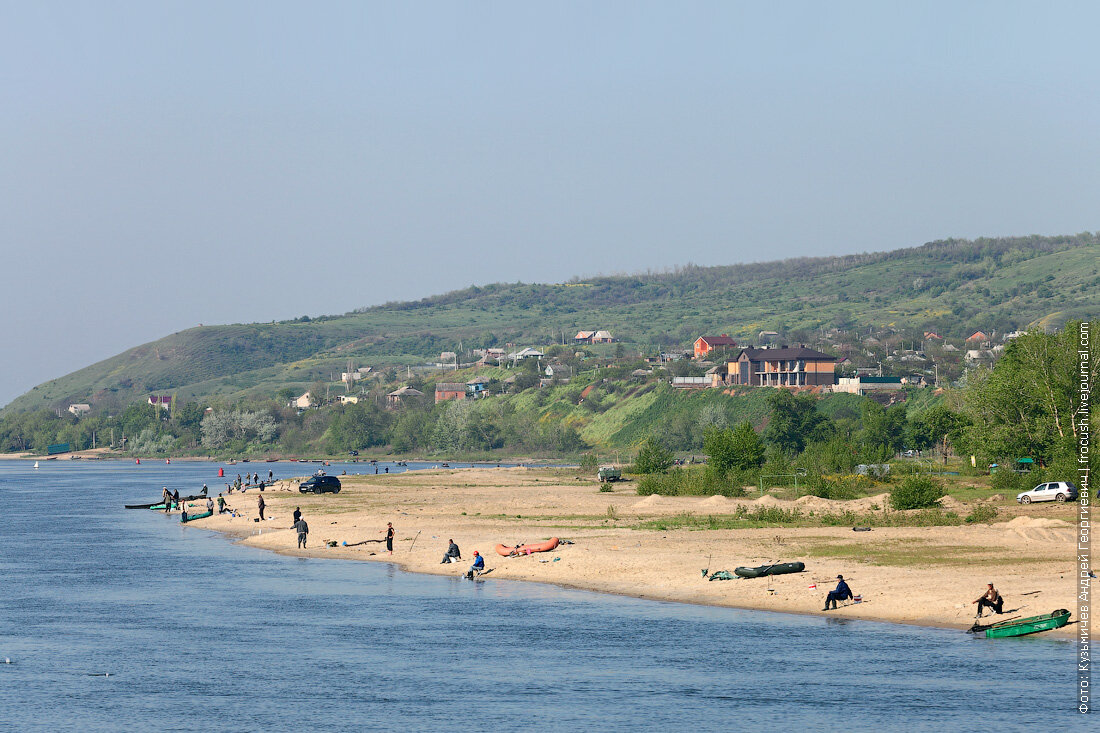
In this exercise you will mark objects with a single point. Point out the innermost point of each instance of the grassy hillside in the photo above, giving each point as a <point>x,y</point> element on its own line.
<point>953,287</point>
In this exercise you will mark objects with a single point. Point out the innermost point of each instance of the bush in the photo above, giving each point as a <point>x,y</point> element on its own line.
<point>690,482</point>
<point>589,463</point>
<point>652,458</point>
<point>982,514</point>
<point>1007,481</point>
<point>917,492</point>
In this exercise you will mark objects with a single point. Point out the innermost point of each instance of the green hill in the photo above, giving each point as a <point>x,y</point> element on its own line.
<point>952,287</point>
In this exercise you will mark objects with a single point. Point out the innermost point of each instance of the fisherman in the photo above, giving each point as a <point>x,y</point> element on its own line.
<point>166,498</point>
<point>389,537</point>
<point>204,489</point>
<point>303,529</point>
<point>270,476</point>
<point>221,504</point>
<point>453,554</point>
<point>209,505</point>
<point>260,504</point>
<point>176,497</point>
<point>842,593</point>
<point>297,515</point>
<point>992,599</point>
<point>478,567</point>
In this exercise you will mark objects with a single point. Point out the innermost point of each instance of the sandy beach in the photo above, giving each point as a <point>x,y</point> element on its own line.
<point>638,546</point>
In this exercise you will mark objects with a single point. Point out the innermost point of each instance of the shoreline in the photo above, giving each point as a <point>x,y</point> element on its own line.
<point>1022,557</point>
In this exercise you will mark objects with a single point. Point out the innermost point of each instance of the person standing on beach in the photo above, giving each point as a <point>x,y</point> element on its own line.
<point>389,537</point>
<point>176,498</point>
<point>297,514</point>
<point>270,476</point>
<point>260,505</point>
<point>166,498</point>
<point>221,504</point>
<point>210,505</point>
<point>303,529</point>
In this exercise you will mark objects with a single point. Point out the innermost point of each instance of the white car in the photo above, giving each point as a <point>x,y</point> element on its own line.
<point>1052,491</point>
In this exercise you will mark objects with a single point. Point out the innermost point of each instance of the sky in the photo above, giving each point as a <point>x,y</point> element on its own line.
<point>174,163</point>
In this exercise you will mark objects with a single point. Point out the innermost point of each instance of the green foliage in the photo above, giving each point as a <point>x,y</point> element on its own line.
<point>794,420</point>
<point>652,458</point>
<point>737,449</point>
<point>1025,405</point>
<point>590,464</point>
<point>695,481</point>
<point>982,514</point>
<point>917,492</point>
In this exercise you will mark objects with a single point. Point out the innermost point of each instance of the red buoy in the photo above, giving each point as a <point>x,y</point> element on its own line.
<point>221,473</point>
<point>137,461</point>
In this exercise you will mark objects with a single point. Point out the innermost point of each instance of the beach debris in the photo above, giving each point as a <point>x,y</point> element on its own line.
<point>861,529</point>
<point>719,575</point>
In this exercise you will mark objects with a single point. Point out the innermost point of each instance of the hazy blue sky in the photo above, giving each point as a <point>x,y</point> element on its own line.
<point>164,164</point>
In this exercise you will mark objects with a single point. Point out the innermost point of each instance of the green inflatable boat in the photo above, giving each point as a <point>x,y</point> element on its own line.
<point>779,568</point>
<point>193,517</point>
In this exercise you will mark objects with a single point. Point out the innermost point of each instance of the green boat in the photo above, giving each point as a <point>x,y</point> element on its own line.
<point>193,517</point>
<point>160,507</point>
<point>779,568</point>
<point>1023,626</point>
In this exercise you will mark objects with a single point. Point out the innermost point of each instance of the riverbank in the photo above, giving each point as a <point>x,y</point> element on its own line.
<point>653,547</point>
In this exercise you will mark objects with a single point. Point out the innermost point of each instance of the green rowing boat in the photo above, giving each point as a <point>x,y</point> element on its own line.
<point>193,517</point>
<point>779,568</point>
<point>1024,626</point>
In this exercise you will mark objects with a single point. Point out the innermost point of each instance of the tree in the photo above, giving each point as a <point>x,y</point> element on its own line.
<point>733,449</point>
<point>652,457</point>
<point>883,426</point>
<point>794,421</point>
<point>318,392</point>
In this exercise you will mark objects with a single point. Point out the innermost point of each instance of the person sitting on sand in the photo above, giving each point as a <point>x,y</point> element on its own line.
<point>478,567</point>
<point>992,599</point>
<point>842,593</point>
<point>453,554</point>
<point>303,529</point>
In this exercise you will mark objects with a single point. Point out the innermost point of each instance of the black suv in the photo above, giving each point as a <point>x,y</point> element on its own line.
<point>319,485</point>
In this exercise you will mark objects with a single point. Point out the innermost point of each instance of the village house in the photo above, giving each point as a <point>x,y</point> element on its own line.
<point>491,356</point>
<point>348,399</point>
<point>782,367</point>
<point>477,387</point>
<point>445,391</point>
<point>706,344</point>
<point>396,397</point>
<point>527,353</point>
<point>160,401</point>
<point>593,337</point>
<point>80,408</point>
<point>863,385</point>
<point>304,402</point>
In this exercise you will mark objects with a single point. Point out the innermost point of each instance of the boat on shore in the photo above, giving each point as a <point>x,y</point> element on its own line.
<point>779,568</point>
<point>193,517</point>
<point>160,504</point>
<point>1023,626</point>
<point>527,549</point>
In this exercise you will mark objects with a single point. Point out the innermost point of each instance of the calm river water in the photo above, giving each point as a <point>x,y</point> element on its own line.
<point>198,633</point>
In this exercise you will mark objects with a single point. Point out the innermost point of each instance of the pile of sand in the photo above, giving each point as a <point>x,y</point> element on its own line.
<point>1036,523</point>
<point>952,504</point>
<point>718,502</point>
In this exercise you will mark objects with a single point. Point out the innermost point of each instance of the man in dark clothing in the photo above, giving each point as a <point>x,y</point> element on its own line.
<point>167,495</point>
<point>389,537</point>
<point>992,599</point>
<point>176,498</point>
<point>842,593</point>
<point>297,515</point>
<point>477,568</point>
<point>303,529</point>
<point>221,504</point>
<point>260,504</point>
<point>453,554</point>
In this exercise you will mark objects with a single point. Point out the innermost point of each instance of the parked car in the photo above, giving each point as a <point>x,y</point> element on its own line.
<point>320,485</point>
<point>1050,491</point>
<point>609,474</point>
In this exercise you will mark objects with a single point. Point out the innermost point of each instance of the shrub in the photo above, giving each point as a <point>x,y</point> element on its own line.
<point>982,514</point>
<point>917,492</point>
<point>652,458</point>
<point>589,463</point>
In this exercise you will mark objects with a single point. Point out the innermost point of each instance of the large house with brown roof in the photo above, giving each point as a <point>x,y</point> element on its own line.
<point>787,366</point>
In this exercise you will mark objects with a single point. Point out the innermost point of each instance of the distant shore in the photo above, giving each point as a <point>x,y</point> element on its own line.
<point>630,545</point>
